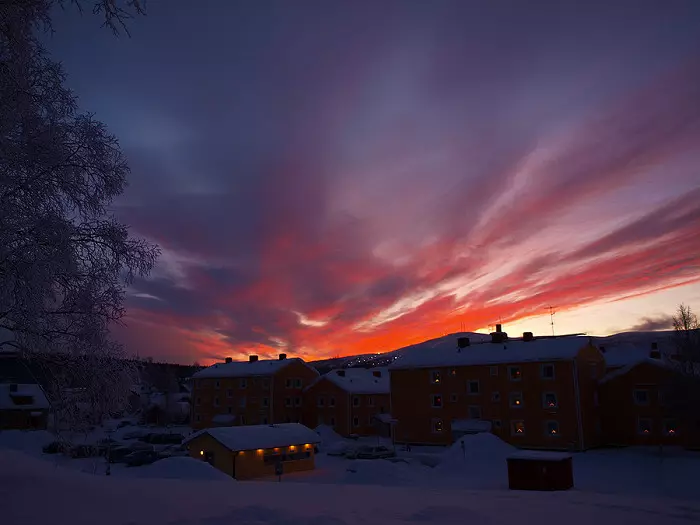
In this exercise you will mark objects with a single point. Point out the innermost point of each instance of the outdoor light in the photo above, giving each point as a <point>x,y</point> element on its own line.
<point>201,452</point>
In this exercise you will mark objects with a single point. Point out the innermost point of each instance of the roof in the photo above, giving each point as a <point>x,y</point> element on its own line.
<point>264,367</point>
<point>444,352</point>
<point>7,398</point>
<point>662,363</point>
<point>358,380</point>
<point>539,455</point>
<point>471,425</point>
<point>252,437</point>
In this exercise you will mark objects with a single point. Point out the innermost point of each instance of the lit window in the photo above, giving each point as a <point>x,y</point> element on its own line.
<point>436,401</point>
<point>437,426</point>
<point>517,428</point>
<point>493,370</point>
<point>243,383</point>
<point>516,399</point>
<point>670,427</point>
<point>331,401</point>
<point>453,398</point>
<point>355,421</point>
<point>514,373</point>
<point>495,397</point>
<point>473,387</point>
<point>552,428</point>
<point>356,401</point>
<point>641,397</point>
<point>453,372</point>
<point>547,372</point>
<point>435,377</point>
<point>644,426</point>
<point>549,400</point>
<point>475,412</point>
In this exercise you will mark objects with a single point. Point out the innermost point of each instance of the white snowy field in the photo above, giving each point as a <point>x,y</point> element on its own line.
<point>34,492</point>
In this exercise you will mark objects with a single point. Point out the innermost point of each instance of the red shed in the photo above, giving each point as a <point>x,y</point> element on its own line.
<point>540,470</point>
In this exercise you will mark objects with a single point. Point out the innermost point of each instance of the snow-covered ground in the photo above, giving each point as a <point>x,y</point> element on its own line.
<point>34,493</point>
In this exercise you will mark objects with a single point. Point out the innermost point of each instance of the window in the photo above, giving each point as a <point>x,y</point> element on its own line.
<point>331,401</point>
<point>514,373</point>
<point>297,401</point>
<point>547,371</point>
<point>265,401</point>
<point>320,401</point>
<point>453,398</point>
<point>266,383</point>
<point>356,401</point>
<point>287,401</point>
<point>453,372</point>
<point>641,397</point>
<point>551,428</point>
<point>516,399</point>
<point>197,418</point>
<point>436,425</point>
<point>493,371</point>
<point>475,412</point>
<point>263,420</point>
<point>517,428</point>
<point>319,420</point>
<point>288,383</point>
<point>549,400</point>
<point>229,409</point>
<point>242,420</point>
<point>216,401</point>
<point>496,423</point>
<point>370,401</point>
<point>229,393</point>
<point>217,384</point>
<point>199,401</point>
<point>473,387</point>
<point>436,401</point>
<point>644,426</point>
<point>355,421</point>
<point>243,383</point>
<point>370,420</point>
<point>241,402</point>
<point>332,421</point>
<point>435,377</point>
<point>297,383</point>
<point>495,397</point>
<point>670,427</point>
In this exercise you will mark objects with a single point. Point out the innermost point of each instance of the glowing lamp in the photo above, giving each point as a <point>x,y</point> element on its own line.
<point>292,447</point>
<point>201,452</point>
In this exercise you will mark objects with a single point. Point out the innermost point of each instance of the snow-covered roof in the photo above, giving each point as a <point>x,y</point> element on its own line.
<point>662,363</point>
<point>358,380</point>
<point>8,398</point>
<point>539,455</point>
<point>385,418</point>
<point>253,437</point>
<point>471,425</point>
<point>444,352</point>
<point>263,367</point>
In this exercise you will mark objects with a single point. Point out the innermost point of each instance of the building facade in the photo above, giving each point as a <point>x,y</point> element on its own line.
<point>254,392</point>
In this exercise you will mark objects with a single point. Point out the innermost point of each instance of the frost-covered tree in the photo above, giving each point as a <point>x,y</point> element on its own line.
<point>64,260</point>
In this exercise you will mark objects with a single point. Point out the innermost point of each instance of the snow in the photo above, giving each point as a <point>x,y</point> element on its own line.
<point>181,468</point>
<point>327,435</point>
<point>83,499</point>
<point>265,367</point>
<point>622,371</point>
<point>444,352</point>
<point>7,398</point>
<point>252,437</point>
<point>397,473</point>
<point>358,380</point>
<point>540,455</point>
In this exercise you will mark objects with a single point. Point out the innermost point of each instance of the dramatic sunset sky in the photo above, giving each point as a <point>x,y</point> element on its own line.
<point>329,177</point>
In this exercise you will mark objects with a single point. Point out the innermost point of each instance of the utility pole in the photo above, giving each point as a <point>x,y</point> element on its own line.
<point>552,311</point>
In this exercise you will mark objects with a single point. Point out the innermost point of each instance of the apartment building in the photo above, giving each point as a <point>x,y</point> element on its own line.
<point>253,392</point>
<point>349,400</point>
<point>535,392</point>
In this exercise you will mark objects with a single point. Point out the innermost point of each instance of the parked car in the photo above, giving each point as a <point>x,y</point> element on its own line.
<point>139,445</point>
<point>367,452</point>
<point>84,451</point>
<point>54,447</point>
<point>118,453</point>
<point>141,457</point>
<point>341,448</point>
<point>170,451</point>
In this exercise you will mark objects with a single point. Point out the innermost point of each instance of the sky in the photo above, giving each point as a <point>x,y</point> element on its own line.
<point>333,178</point>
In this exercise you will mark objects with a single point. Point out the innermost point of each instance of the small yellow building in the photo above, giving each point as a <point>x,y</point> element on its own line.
<point>255,451</point>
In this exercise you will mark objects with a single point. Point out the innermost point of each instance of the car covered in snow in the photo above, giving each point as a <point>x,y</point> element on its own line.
<point>340,448</point>
<point>141,457</point>
<point>369,452</point>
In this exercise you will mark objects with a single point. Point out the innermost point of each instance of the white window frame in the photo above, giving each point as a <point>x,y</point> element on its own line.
<point>288,402</point>
<point>432,401</point>
<point>297,401</point>
<point>493,371</point>
<point>543,366</point>
<point>639,426</point>
<point>547,433</point>
<point>510,373</point>
<point>331,401</point>
<point>473,407</point>
<point>496,396</point>
<point>666,425</point>
<point>297,382</point>
<point>478,387</point>
<point>435,377</point>
<point>242,402</point>
<point>355,422</point>
<point>217,402</point>
<point>356,401</point>
<point>288,383</point>
<point>636,401</point>
<point>513,425</point>
<point>434,424</point>
<point>511,399</point>
<point>321,401</point>
<point>544,400</point>
<point>229,393</point>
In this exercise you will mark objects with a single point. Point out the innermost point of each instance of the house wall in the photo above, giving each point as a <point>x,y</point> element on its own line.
<point>23,420</point>
<point>249,464</point>
<point>590,367</point>
<point>412,391</point>
<point>255,400</point>
<point>620,413</point>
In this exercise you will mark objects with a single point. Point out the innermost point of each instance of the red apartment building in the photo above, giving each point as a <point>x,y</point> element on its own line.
<point>253,392</point>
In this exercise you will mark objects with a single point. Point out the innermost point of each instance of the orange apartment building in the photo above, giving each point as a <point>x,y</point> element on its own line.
<point>534,392</point>
<point>349,400</point>
<point>253,392</point>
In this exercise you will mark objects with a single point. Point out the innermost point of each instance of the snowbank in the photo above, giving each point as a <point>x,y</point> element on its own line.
<point>30,441</point>
<point>181,468</point>
<point>382,472</point>
<point>328,435</point>
<point>481,463</point>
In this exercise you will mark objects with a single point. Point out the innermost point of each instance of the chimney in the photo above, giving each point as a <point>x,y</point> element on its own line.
<point>528,336</point>
<point>252,358</point>
<point>499,337</point>
<point>229,360</point>
<point>377,373</point>
<point>463,342</point>
<point>282,357</point>
<point>341,373</point>
<point>498,327</point>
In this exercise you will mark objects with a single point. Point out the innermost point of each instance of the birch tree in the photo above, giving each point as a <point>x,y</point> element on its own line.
<point>64,260</point>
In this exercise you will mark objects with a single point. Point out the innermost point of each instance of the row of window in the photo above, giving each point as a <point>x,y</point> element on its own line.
<point>242,402</point>
<point>516,400</point>
<point>642,396</point>
<point>645,426</point>
<point>514,373</point>
<point>355,421</point>
<point>356,401</point>
<point>517,427</point>
<point>244,382</point>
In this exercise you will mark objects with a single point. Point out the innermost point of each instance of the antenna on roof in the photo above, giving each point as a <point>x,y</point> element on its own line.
<point>552,311</point>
